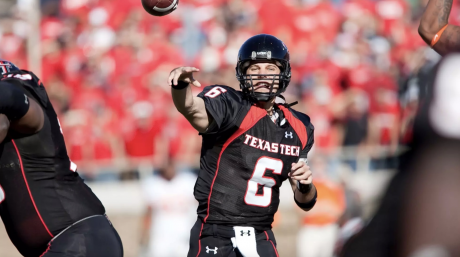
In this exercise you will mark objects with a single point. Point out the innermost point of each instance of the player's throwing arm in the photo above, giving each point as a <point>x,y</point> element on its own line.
<point>191,107</point>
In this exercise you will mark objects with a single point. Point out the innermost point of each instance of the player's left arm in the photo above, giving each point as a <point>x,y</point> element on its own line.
<point>302,184</point>
<point>301,177</point>
<point>24,114</point>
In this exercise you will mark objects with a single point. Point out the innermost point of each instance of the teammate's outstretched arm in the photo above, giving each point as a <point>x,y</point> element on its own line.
<point>434,28</point>
<point>301,174</point>
<point>190,106</point>
<point>24,114</point>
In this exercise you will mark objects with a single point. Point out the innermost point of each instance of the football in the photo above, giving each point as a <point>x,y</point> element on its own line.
<point>160,7</point>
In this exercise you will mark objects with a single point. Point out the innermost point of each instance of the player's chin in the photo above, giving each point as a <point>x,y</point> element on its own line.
<point>266,90</point>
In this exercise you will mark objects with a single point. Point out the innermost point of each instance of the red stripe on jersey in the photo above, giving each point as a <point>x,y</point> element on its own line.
<point>251,118</point>
<point>297,125</point>
<point>47,249</point>
<point>274,248</point>
<point>28,188</point>
<point>199,240</point>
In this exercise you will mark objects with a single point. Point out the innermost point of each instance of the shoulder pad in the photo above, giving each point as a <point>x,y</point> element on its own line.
<point>301,124</point>
<point>29,81</point>
<point>224,91</point>
<point>305,119</point>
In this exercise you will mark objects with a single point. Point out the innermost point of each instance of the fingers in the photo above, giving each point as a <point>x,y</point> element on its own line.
<point>183,73</point>
<point>301,172</point>
<point>302,177</point>
<point>309,180</point>
<point>177,74</point>
<point>190,69</point>
<point>296,166</point>
<point>196,83</point>
<point>170,77</point>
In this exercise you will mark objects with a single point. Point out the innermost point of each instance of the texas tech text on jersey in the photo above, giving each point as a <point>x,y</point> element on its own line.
<point>258,143</point>
<point>245,158</point>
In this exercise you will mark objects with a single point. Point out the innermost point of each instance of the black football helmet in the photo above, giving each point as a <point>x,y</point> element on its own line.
<point>263,47</point>
<point>7,67</point>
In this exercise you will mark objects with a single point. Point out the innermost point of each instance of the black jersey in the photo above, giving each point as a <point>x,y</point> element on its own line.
<point>41,192</point>
<point>245,157</point>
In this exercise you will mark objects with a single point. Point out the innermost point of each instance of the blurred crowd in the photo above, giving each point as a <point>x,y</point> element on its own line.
<point>105,65</point>
<point>356,68</point>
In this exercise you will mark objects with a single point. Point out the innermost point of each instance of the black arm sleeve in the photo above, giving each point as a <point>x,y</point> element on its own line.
<point>223,103</point>
<point>13,102</point>
<point>310,141</point>
<point>309,205</point>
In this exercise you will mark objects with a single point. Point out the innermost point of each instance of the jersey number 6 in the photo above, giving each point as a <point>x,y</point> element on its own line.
<point>258,178</point>
<point>215,91</point>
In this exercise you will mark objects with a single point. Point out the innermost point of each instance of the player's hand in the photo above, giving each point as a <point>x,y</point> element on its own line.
<point>301,172</point>
<point>183,74</point>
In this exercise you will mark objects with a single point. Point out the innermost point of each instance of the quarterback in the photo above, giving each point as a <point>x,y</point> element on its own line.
<point>250,146</point>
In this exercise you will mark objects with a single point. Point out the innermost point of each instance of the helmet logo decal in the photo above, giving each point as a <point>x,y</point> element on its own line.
<point>267,54</point>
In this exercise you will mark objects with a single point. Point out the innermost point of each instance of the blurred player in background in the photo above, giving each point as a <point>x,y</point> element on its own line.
<point>430,208</point>
<point>45,206</point>
<point>170,212</point>
<point>418,213</point>
<point>318,233</point>
<point>250,146</point>
<point>436,31</point>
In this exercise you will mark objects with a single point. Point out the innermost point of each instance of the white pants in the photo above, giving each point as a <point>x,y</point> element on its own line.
<point>317,241</point>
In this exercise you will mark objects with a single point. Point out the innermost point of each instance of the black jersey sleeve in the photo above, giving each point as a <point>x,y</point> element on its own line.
<point>223,103</point>
<point>305,119</point>
<point>13,102</point>
<point>31,83</point>
<point>310,141</point>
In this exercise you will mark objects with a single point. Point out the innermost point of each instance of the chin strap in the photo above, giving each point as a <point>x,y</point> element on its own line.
<point>286,104</point>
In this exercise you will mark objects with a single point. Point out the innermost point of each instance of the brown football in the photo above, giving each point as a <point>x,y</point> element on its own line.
<point>160,7</point>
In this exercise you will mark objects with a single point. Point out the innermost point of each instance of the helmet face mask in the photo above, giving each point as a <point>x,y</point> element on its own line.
<point>263,49</point>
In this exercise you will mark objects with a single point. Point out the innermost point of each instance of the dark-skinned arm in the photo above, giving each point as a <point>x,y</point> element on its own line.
<point>23,113</point>
<point>4,126</point>
<point>32,122</point>
<point>436,17</point>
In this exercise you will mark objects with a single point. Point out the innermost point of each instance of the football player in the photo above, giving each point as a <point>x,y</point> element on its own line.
<point>45,206</point>
<point>414,218</point>
<point>435,30</point>
<point>250,146</point>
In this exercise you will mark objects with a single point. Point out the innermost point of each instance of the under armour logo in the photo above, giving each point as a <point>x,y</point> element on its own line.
<point>247,233</point>
<point>288,134</point>
<point>214,250</point>
<point>27,101</point>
